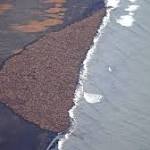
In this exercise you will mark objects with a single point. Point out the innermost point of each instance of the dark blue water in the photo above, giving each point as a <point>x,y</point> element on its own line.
<point>19,134</point>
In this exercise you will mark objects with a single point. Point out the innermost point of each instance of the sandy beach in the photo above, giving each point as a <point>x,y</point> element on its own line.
<point>41,53</point>
<point>39,83</point>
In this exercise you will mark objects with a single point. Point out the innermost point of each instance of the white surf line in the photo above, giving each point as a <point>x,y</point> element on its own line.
<point>54,140</point>
<point>93,97</point>
<point>111,4</point>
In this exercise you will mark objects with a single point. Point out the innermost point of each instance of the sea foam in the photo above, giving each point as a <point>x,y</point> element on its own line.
<point>128,20</point>
<point>110,4</point>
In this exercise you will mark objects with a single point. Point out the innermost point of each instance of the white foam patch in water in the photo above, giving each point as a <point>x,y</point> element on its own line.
<point>92,98</point>
<point>128,20</point>
<point>132,8</point>
<point>113,3</point>
<point>83,73</point>
<point>132,1</point>
<point>109,69</point>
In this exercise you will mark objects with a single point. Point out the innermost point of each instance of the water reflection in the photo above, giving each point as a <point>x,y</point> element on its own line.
<point>4,8</point>
<point>54,16</point>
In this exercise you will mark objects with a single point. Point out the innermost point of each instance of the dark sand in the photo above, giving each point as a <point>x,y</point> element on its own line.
<point>39,83</point>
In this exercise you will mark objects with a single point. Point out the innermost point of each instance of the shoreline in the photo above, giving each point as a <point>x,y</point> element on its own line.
<point>117,72</point>
<point>21,86</point>
<point>23,68</point>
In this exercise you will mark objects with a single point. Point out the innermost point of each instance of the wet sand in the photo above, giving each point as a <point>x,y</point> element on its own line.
<point>39,83</point>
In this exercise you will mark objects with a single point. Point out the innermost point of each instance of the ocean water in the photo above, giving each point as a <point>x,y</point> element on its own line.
<point>113,99</point>
<point>17,19</point>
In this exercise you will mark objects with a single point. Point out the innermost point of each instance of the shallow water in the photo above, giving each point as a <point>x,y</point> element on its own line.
<point>119,71</point>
